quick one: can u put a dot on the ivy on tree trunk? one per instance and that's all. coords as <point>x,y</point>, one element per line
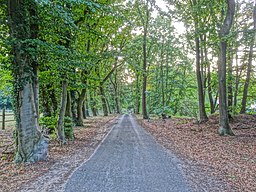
<point>31,145</point>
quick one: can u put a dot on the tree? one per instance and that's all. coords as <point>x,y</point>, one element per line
<point>202,113</point>
<point>224,128</point>
<point>144,9</point>
<point>249,67</point>
<point>31,145</point>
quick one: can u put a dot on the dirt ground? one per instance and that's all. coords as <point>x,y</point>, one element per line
<point>230,160</point>
<point>51,175</point>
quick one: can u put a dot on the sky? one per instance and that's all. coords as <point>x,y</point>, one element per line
<point>161,4</point>
<point>179,26</point>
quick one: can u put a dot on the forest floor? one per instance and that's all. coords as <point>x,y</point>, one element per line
<point>231,160</point>
<point>50,175</point>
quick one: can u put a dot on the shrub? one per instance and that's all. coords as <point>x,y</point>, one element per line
<point>68,128</point>
<point>48,125</point>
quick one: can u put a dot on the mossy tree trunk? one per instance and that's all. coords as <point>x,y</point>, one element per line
<point>31,145</point>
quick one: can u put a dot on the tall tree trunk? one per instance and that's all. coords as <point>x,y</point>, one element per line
<point>237,82</point>
<point>103,100</point>
<point>117,102</point>
<point>202,113</point>
<point>162,76</point>
<point>249,67</point>
<point>209,79</point>
<point>144,85</point>
<point>35,85</point>
<point>230,81</point>
<point>93,103</point>
<point>168,93</point>
<point>63,104</point>
<point>224,128</point>
<point>116,94</point>
<point>31,145</point>
<point>84,110</point>
<point>145,20</point>
<point>73,105</point>
<point>34,29</point>
<point>137,95</point>
<point>199,72</point>
<point>87,114</point>
<point>68,112</point>
<point>144,75</point>
<point>80,104</point>
<point>109,106</point>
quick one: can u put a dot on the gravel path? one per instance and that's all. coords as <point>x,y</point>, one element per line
<point>129,160</point>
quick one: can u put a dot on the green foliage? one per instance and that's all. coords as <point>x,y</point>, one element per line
<point>79,41</point>
<point>68,128</point>
<point>48,126</point>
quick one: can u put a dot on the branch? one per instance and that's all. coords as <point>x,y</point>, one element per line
<point>110,73</point>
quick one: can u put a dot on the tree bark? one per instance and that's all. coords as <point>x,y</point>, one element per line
<point>3,118</point>
<point>73,105</point>
<point>68,112</point>
<point>230,82</point>
<point>84,110</point>
<point>80,102</point>
<point>224,128</point>
<point>138,99</point>
<point>63,104</point>
<point>93,104</point>
<point>87,114</point>
<point>202,113</point>
<point>209,84</point>
<point>199,71</point>
<point>31,145</point>
<point>116,94</point>
<point>103,100</point>
<point>109,106</point>
<point>249,67</point>
<point>237,82</point>
<point>144,75</point>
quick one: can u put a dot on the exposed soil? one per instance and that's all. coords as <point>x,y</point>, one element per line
<point>52,174</point>
<point>230,161</point>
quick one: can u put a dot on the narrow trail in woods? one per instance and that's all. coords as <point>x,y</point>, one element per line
<point>129,159</point>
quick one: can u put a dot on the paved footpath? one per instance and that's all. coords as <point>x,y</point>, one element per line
<point>129,160</point>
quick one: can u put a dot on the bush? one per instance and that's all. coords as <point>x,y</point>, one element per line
<point>68,128</point>
<point>48,125</point>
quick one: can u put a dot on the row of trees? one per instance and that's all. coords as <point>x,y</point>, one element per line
<point>79,58</point>
<point>62,56</point>
<point>224,31</point>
